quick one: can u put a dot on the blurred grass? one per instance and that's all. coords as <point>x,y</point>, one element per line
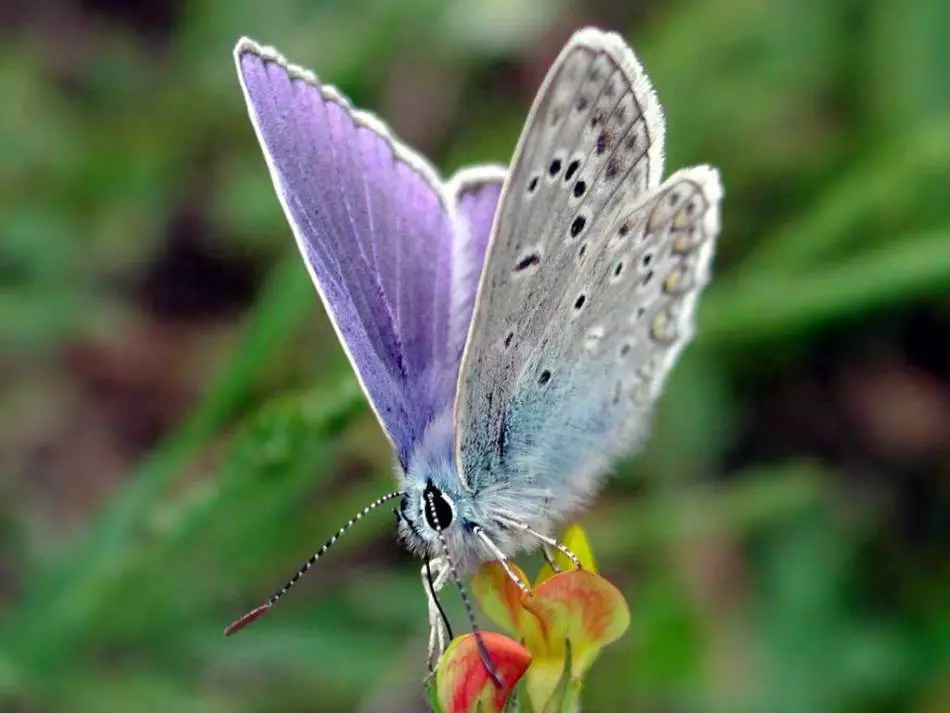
<point>749,576</point>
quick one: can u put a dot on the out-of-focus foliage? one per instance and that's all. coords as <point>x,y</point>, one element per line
<point>181,428</point>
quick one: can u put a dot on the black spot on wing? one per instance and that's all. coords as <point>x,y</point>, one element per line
<point>530,260</point>
<point>501,441</point>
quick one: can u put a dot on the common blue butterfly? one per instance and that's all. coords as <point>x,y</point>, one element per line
<point>511,332</point>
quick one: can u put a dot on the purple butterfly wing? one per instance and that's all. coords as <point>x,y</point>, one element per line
<point>475,193</point>
<point>378,232</point>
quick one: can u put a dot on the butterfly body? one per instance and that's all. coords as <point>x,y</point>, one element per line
<point>512,329</point>
<point>529,487</point>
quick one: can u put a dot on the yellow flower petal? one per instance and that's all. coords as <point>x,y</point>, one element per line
<point>500,599</point>
<point>575,540</point>
<point>577,606</point>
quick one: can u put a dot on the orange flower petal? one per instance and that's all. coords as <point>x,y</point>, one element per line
<point>581,606</point>
<point>500,599</point>
<point>462,681</point>
<point>575,540</point>
<point>577,606</point>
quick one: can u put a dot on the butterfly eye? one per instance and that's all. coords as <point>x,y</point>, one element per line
<point>437,508</point>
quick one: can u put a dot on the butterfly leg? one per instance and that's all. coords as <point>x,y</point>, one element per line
<point>435,573</point>
<point>544,539</point>
<point>501,557</point>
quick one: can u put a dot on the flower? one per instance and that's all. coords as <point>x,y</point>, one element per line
<point>464,685</point>
<point>562,623</point>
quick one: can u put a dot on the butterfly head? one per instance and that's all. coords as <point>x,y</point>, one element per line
<point>430,506</point>
<point>428,509</point>
<point>434,500</point>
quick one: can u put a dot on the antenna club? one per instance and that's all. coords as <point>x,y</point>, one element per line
<point>257,613</point>
<point>253,615</point>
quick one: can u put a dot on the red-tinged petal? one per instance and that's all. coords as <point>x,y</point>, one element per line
<point>575,540</point>
<point>577,606</point>
<point>462,681</point>
<point>581,606</point>
<point>500,599</point>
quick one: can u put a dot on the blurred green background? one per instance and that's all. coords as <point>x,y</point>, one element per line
<point>181,428</point>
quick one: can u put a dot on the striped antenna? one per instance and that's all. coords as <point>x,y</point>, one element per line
<point>260,611</point>
<point>469,611</point>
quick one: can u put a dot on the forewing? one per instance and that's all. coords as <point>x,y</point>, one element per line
<point>377,231</point>
<point>538,372</point>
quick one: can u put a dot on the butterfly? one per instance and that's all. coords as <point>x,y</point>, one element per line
<point>511,330</point>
